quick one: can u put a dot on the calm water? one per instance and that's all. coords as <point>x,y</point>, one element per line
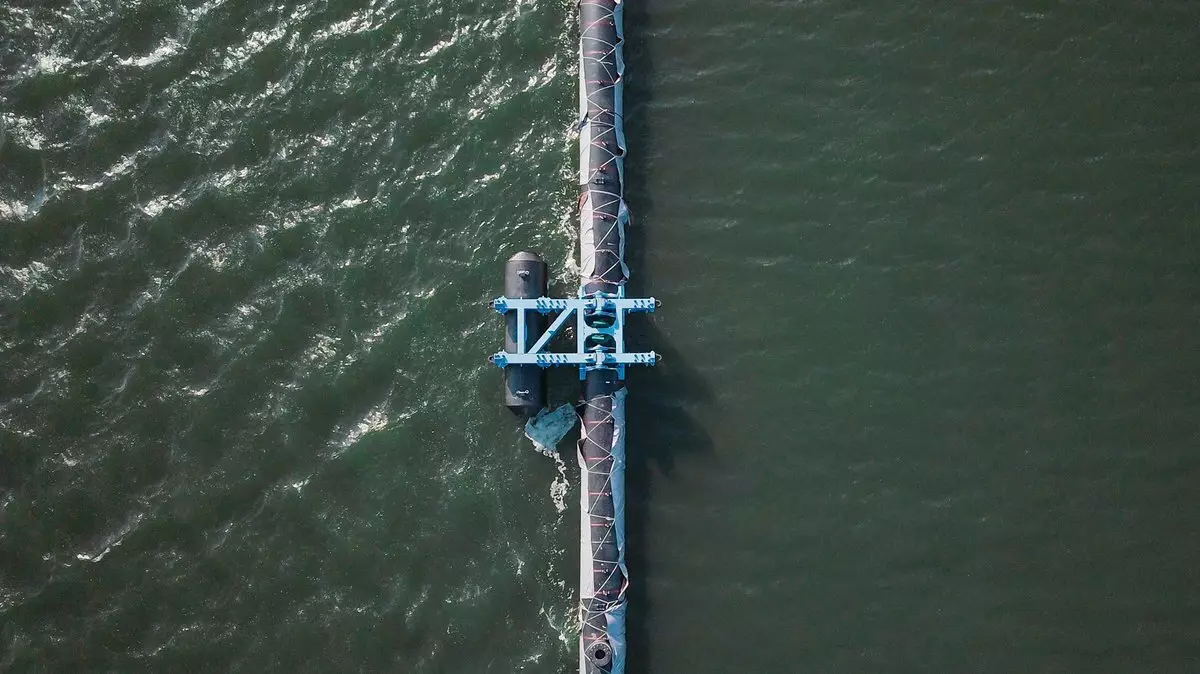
<point>931,275</point>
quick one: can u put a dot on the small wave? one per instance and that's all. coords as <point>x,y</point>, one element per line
<point>34,276</point>
<point>111,541</point>
<point>165,50</point>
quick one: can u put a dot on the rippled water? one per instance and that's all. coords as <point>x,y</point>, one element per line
<point>246,421</point>
<point>929,399</point>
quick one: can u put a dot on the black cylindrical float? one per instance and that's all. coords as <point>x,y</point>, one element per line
<point>603,216</point>
<point>603,580</point>
<point>602,148</point>
<point>525,277</point>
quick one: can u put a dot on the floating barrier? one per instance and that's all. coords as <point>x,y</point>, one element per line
<point>598,314</point>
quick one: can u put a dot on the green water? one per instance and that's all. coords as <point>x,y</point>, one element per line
<point>929,399</point>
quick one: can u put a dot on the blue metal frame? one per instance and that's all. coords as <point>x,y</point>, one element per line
<point>612,355</point>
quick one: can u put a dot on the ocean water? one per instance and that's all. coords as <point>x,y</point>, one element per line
<point>930,392</point>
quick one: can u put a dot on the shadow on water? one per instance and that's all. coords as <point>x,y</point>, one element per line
<point>661,430</point>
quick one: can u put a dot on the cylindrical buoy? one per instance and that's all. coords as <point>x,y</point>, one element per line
<point>525,277</point>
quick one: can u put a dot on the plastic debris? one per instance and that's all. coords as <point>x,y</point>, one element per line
<point>549,427</point>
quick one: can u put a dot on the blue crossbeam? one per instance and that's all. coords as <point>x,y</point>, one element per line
<point>599,343</point>
<point>546,305</point>
<point>595,358</point>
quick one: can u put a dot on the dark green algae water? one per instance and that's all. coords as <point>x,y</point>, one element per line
<point>931,296</point>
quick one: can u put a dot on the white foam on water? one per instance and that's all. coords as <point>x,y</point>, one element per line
<point>560,487</point>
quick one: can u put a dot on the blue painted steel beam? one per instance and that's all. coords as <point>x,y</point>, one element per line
<point>594,358</point>
<point>546,304</point>
<point>608,354</point>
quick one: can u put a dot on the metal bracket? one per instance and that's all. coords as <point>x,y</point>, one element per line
<point>599,332</point>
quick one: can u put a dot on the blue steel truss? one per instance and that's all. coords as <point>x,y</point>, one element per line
<point>599,342</point>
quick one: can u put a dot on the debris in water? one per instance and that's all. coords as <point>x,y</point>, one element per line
<point>549,427</point>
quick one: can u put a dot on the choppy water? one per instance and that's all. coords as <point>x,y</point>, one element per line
<point>930,393</point>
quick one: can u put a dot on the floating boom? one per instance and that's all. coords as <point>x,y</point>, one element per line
<point>599,311</point>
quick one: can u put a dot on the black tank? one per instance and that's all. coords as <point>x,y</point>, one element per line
<point>525,277</point>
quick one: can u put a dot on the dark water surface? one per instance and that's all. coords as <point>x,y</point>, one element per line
<point>931,275</point>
